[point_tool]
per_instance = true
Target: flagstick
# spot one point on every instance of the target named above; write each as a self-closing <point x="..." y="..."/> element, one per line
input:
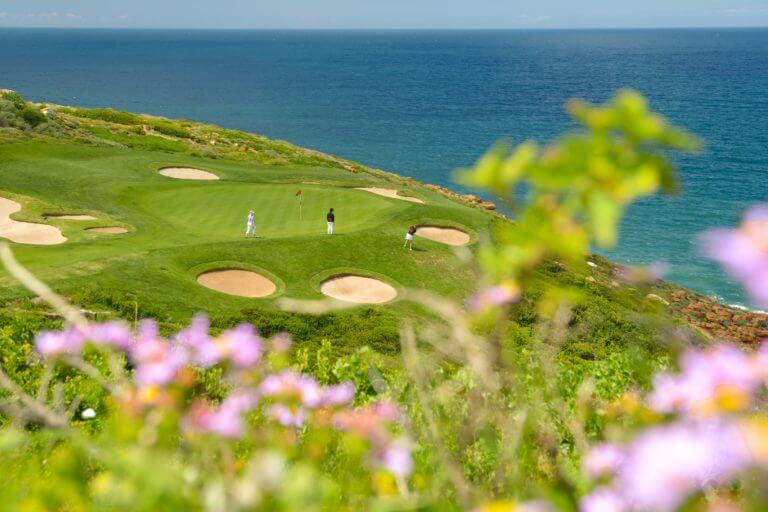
<point x="301" y="201"/>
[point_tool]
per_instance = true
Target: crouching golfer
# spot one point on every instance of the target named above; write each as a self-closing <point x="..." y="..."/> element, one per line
<point x="250" y="227"/>
<point x="331" y="218"/>
<point x="409" y="237"/>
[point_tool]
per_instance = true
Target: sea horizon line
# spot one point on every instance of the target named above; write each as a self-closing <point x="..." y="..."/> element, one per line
<point x="392" y="29"/>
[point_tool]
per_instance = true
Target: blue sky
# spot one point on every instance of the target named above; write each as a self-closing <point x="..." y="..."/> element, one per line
<point x="383" y="13"/>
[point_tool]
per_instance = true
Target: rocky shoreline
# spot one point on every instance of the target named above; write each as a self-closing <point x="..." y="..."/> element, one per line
<point x="717" y="320"/>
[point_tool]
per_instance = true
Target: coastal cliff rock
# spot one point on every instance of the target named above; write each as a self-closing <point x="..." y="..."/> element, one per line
<point x="720" y="321"/>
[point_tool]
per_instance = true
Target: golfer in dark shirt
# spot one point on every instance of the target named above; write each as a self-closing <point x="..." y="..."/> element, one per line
<point x="331" y="218"/>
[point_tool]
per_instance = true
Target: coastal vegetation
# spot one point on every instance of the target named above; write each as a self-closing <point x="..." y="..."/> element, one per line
<point x="516" y="372"/>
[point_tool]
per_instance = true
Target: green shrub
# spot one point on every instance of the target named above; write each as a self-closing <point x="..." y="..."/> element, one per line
<point x="171" y="130"/>
<point x="148" y="142"/>
<point x="109" y="115"/>
<point x="7" y="106"/>
<point x="49" y="128"/>
<point x="347" y="330"/>
<point x="6" y="119"/>
<point x="32" y="116"/>
<point x="14" y="98"/>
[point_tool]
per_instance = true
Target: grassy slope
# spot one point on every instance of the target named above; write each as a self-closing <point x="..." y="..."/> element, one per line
<point x="181" y="228"/>
<point x="178" y="226"/>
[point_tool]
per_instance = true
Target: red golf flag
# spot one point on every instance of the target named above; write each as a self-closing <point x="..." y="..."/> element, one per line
<point x="301" y="200"/>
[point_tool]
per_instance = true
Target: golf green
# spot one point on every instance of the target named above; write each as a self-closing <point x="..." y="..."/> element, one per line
<point x="213" y="211"/>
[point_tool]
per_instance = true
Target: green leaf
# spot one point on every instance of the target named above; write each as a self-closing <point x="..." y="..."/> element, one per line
<point x="604" y="215"/>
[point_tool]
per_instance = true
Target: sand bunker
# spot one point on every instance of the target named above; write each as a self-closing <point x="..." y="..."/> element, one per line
<point x="358" y="289"/>
<point x="242" y="283"/>
<point x="26" y="232"/>
<point x="108" y="230"/>
<point x="187" y="173"/>
<point x="388" y="192"/>
<point x="69" y="217"/>
<point x="448" y="236"/>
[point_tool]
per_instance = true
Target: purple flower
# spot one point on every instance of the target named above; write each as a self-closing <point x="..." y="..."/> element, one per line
<point x="148" y="329"/>
<point x="291" y="386"/>
<point x="241" y="400"/>
<point x="157" y="361"/>
<point x="72" y="339"/>
<point x="604" y="460"/>
<point x="196" y="335"/>
<point x="602" y="500"/>
<point x="724" y="377"/>
<point x="240" y="345"/>
<point x="245" y="345"/>
<point x="504" y="293"/>
<point x="227" y="419"/>
<point x="115" y="334"/>
<point x="386" y="411"/>
<point x="665" y="465"/>
<point x="396" y="458"/>
<point x="340" y="394"/>
<point x="288" y="416"/>
<point x="670" y="393"/>
<point x="55" y="343"/>
<point x="281" y="342"/>
<point x="743" y="252"/>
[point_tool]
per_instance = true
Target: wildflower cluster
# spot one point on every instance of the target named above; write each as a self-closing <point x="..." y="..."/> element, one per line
<point x="709" y="441"/>
<point x="165" y="368"/>
<point x="709" y="430"/>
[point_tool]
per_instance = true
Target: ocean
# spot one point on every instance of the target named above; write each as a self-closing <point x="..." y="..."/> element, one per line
<point x="422" y="103"/>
